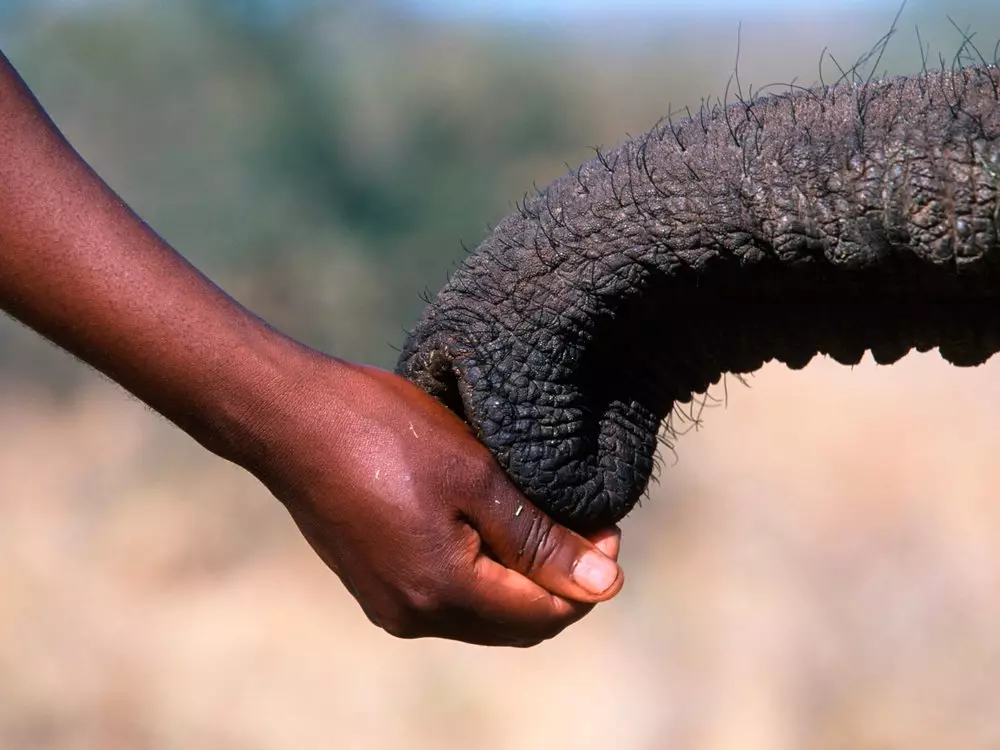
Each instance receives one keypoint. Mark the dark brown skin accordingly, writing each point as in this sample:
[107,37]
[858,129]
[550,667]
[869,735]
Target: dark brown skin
[389,487]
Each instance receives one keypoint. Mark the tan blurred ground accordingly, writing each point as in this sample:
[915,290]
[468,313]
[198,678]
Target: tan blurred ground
[820,569]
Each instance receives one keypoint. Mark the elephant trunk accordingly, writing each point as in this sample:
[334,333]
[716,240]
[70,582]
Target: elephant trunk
[834,220]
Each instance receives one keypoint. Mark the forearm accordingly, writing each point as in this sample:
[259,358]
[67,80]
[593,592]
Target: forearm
[80,268]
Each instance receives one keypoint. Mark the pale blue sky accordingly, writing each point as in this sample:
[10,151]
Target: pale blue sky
[579,9]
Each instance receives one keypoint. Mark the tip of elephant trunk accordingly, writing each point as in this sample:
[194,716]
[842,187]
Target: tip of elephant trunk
[580,448]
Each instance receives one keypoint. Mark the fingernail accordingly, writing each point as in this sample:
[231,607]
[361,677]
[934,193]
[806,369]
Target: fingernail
[595,572]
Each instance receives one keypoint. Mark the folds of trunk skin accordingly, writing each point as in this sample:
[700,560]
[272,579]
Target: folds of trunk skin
[834,220]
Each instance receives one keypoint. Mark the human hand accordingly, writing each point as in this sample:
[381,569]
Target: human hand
[423,527]
[389,487]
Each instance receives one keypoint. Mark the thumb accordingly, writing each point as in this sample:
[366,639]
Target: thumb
[523,538]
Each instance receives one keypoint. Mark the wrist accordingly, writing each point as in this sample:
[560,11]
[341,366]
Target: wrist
[252,399]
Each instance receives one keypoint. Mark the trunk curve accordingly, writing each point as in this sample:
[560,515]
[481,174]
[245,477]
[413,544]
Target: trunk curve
[834,220]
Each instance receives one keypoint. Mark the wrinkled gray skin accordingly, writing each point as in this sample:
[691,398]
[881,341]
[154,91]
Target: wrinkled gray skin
[834,220]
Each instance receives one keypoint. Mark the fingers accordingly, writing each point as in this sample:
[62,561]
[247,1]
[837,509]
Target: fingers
[524,539]
[512,610]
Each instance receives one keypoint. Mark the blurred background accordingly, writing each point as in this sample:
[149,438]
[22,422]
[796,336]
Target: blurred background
[818,566]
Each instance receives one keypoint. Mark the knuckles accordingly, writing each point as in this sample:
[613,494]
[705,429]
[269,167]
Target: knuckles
[420,610]
[537,543]
[435,611]
[403,627]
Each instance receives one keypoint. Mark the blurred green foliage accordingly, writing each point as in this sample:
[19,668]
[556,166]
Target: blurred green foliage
[324,161]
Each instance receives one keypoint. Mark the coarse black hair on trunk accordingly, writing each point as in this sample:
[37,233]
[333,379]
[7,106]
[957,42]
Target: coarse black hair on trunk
[856,215]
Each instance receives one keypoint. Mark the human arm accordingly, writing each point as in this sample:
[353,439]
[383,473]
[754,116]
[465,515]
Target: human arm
[389,487]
